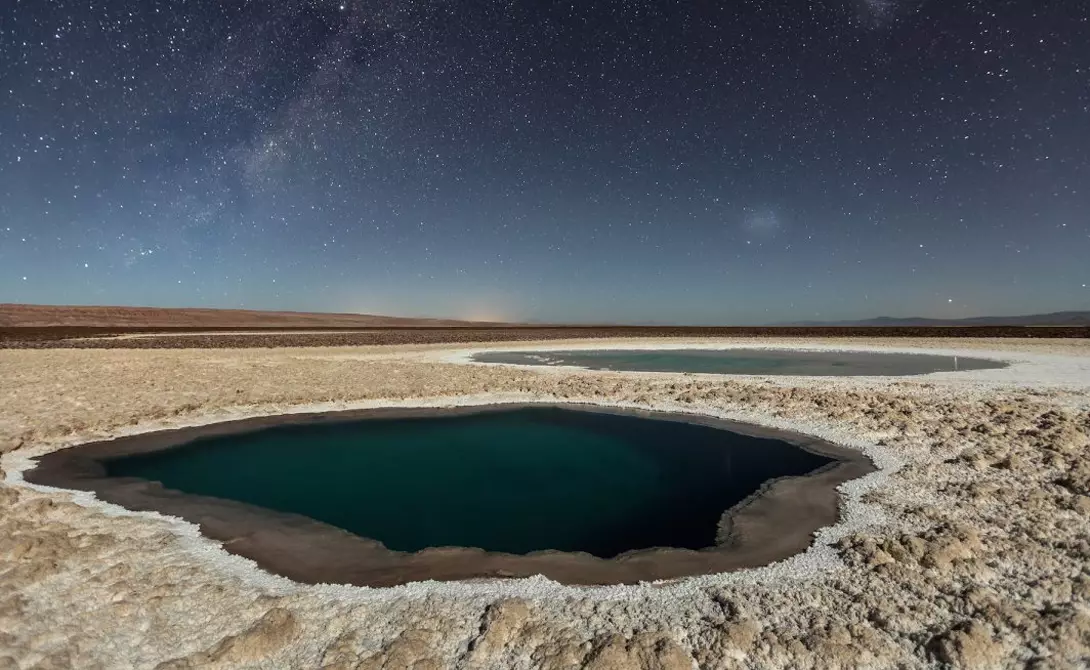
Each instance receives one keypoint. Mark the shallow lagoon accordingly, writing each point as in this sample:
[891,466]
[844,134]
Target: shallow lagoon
[513,481]
[745,361]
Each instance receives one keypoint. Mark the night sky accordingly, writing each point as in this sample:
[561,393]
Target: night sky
[690,161]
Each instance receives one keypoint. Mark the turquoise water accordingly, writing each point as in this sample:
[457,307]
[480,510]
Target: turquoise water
[746,361]
[515,480]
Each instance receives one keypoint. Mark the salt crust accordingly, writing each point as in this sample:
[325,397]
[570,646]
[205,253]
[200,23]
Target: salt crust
[1024,369]
[980,564]
[855,515]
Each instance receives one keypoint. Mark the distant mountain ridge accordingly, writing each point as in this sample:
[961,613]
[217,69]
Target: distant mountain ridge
[80,316]
[52,316]
[1053,319]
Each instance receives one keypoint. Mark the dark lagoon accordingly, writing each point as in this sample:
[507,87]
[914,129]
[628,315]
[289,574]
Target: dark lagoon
[745,361]
[515,481]
[385,497]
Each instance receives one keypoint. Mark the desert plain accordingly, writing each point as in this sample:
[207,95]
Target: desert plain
[968,547]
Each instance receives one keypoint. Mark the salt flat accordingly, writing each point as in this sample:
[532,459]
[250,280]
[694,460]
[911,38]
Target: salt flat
[969,547]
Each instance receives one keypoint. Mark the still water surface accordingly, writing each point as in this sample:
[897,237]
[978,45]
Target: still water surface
[746,361]
[516,480]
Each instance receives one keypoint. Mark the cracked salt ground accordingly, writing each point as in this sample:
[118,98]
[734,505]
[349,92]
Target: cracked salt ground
[968,548]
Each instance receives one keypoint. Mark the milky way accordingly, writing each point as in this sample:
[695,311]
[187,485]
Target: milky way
[744,162]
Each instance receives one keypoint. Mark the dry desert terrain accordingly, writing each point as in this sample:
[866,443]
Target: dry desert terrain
[111,317]
[969,547]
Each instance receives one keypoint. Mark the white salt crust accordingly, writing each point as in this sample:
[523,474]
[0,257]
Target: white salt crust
[1025,370]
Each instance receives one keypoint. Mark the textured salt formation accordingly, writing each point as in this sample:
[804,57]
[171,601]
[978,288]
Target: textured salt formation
[776,522]
[969,548]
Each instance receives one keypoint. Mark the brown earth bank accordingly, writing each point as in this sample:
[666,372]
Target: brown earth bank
[225,338]
[775,522]
[79,316]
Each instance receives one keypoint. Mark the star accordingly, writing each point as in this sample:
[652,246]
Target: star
[437,153]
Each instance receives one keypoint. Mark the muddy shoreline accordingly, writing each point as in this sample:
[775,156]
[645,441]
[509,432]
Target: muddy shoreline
[773,523]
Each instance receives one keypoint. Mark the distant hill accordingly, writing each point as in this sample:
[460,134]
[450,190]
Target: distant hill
[66,316]
[51,316]
[1053,319]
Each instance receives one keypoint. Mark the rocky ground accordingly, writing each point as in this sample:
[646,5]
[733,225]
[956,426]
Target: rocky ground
[971,548]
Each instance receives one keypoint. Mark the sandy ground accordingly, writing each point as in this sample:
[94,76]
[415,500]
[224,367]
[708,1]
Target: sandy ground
[74,316]
[226,333]
[969,548]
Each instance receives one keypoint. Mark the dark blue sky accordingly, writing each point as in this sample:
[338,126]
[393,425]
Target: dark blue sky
[699,162]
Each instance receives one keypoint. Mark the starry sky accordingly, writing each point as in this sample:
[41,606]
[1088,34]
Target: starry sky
[732,162]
